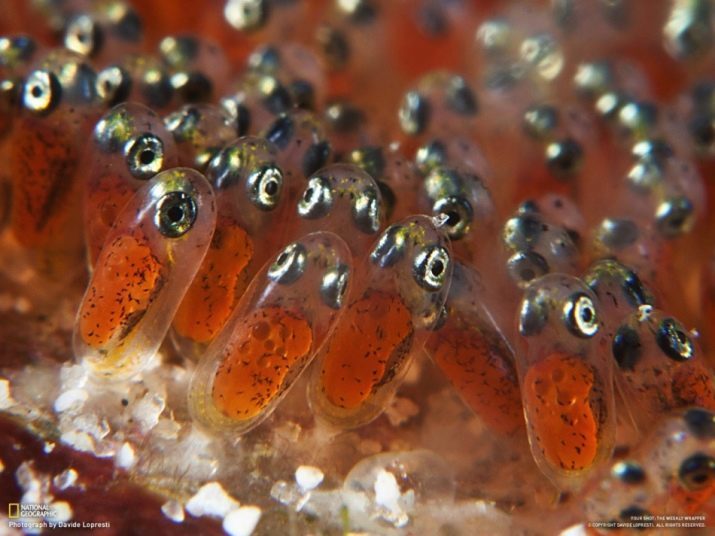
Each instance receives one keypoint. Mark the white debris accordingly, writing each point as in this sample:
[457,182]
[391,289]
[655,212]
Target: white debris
[574,530]
[48,447]
[173,510]
[285,493]
[211,500]
[6,400]
[147,410]
[126,456]
[65,479]
[73,376]
[78,440]
[401,410]
[61,512]
[242,521]
[308,477]
[71,400]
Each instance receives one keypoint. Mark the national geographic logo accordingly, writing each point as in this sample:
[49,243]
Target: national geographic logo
[28,510]
[13,510]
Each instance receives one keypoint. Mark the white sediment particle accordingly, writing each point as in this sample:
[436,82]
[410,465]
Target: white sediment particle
[242,521]
[73,376]
[308,477]
[284,493]
[173,510]
[65,479]
[126,456]
[574,530]
[6,400]
[48,447]
[35,485]
[211,500]
[71,400]
[78,440]
[147,410]
[61,512]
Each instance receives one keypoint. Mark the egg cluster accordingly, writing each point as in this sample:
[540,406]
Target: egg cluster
[518,191]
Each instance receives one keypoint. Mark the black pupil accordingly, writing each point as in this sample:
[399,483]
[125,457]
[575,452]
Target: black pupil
[271,187]
[36,91]
[527,274]
[308,194]
[437,268]
[586,314]
[452,218]
[175,214]
[282,258]
[146,157]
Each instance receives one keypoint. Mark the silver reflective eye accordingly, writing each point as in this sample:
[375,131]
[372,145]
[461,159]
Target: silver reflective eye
[542,51]
[430,156]
[178,51]
[290,264]
[366,211]
[370,159]
[42,92]
[113,85]
[524,266]
[593,79]
[523,231]
[83,36]
[540,121]
[674,216]
[246,14]
[317,198]
[458,213]
[697,472]
[580,316]
[646,173]
[674,341]
[628,472]
[533,314]
[564,157]
[315,157]
[144,155]
[391,246]
[333,286]
[175,214]
[494,36]
[414,113]
[637,117]
[459,97]
[610,103]
[113,129]
[264,186]
[431,268]
[688,31]
[183,123]
[616,233]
